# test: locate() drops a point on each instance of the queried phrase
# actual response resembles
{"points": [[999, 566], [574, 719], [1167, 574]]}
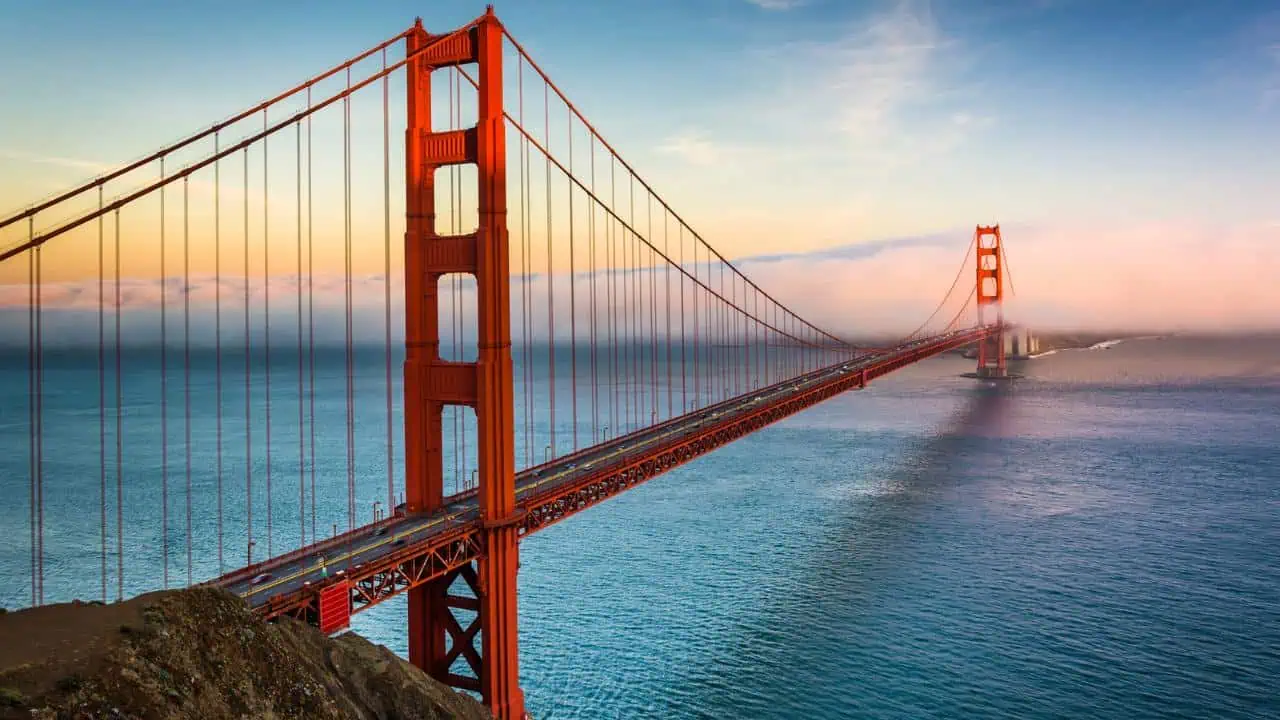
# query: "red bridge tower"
{"points": [[431, 382], [990, 294]]}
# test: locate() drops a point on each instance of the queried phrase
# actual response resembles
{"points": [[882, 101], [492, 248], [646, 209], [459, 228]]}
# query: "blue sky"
{"points": [[774, 126]]}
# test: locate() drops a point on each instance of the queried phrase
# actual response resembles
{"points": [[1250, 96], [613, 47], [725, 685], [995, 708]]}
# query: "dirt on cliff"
{"points": [[201, 654]]}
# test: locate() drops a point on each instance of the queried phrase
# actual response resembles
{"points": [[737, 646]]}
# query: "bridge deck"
{"points": [[387, 557]]}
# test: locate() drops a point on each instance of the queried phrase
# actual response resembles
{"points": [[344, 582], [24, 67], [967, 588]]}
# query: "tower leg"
{"points": [[495, 413], [426, 632], [500, 679], [423, 435]]}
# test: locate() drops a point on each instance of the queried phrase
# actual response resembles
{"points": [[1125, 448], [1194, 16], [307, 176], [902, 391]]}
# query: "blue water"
{"points": [[1101, 541]]}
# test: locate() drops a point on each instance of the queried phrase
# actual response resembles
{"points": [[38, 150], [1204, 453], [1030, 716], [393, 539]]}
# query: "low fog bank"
{"points": [[1142, 280]]}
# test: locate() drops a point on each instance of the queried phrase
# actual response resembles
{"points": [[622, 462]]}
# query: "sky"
{"points": [[839, 151]]}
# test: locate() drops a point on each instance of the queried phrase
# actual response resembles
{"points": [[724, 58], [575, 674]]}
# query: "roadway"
{"points": [[292, 572]]}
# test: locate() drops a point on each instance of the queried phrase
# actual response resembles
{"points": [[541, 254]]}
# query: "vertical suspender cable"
{"points": [[297, 288], [652, 271], [459, 328], [164, 395], [756, 347], [637, 314], [768, 345], [721, 356], [715, 307], [697, 321], [759, 335], [248, 437], [311, 335], [573, 296], [748, 329], [633, 375], [622, 380], [725, 354], [732, 313], [551, 283], [738, 355], [386, 276], [461, 337], [31, 404], [217, 335], [595, 337], [743, 380], [119, 435], [713, 334], [40, 423], [346, 216], [612, 277], [642, 340], [712, 309], [455, 412], [779, 347], [102, 401], [530, 450], [629, 310], [667, 306], [628, 356], [186, 350], [524, 263], [637, 319], [266, 327], [684, 380], [742, 331]]}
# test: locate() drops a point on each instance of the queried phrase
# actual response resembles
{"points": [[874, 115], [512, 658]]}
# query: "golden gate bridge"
{"points": [[561, 334]]}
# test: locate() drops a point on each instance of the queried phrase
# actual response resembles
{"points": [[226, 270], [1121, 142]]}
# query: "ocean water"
{"points": [[1100, 540]]}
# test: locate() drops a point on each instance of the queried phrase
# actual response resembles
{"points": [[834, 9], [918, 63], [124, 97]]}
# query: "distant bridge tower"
{"points": [[990, 296], [437, 637]]}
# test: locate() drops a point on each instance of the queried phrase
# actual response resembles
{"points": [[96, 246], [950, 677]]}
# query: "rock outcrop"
{"points": [[201, 654]]}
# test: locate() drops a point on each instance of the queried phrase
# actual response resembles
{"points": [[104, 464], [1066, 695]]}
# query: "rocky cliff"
{"points": [[200, 653]]}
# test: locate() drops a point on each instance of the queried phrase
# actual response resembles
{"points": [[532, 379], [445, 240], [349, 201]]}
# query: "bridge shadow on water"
{"points": [[806, 653]]}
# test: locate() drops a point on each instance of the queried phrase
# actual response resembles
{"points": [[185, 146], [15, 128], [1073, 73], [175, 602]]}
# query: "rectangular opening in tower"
{"points": [[457, 317], [458, 454], [988, 288], [457, 199]]}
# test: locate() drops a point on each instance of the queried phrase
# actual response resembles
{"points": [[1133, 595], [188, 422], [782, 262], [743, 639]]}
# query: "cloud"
{"points": [[894, 80], [888, 89], [64, 162], [777, 4], [694, 148], [882, 68]]}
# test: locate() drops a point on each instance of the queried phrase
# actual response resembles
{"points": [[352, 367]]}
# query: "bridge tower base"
{"points": [[990, 297], [438, 639]]}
